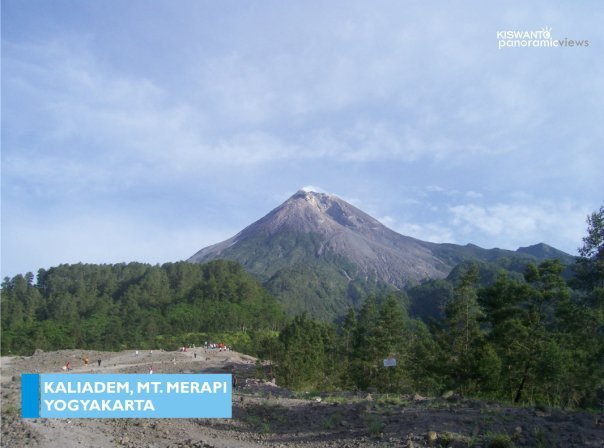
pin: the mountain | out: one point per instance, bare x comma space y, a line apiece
543, 251
318, 253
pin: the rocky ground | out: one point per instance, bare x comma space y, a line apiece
265, 415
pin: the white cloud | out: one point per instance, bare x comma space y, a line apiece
313, 188
474, 194
519, 224
432, 232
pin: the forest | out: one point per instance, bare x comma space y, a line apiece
135, 305
535, 338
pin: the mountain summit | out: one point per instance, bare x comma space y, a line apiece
317, 253
337, 228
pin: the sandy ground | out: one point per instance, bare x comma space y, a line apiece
265, 415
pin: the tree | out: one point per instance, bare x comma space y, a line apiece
391, 342
425, 366
302, 362
522, 317
584, 317
462, 332
364, 357
590, 265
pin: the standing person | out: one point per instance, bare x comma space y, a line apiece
99, 361
68, 365
136, 353
234, 379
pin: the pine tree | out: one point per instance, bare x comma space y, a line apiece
391, 336
463, 336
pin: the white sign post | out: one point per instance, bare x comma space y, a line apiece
390, 362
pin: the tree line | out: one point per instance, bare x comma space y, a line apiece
135, 305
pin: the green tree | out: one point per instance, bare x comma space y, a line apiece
426, 362
391, 336
590, 265
584, 318
523, 325
462, 334
365, 354
302, 363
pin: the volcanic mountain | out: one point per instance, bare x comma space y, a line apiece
317, 253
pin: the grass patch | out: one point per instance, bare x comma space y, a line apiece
334, 420
498, 440
260, 416
12, 409
336, 399
375, 426
307, 395
392, 400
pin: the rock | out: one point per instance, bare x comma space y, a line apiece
431, 437
418, 397
518, 430
447, 394
369, 397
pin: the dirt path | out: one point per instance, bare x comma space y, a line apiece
265, 415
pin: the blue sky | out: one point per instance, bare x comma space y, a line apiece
146, 130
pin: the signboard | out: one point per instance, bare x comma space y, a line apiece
390, 362
126, 396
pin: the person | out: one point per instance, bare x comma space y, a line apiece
195, 355
99, 361
68, 365
136, 353
150, 370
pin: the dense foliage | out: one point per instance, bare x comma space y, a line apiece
136, 306
529, 338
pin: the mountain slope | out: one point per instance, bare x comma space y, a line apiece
318, 253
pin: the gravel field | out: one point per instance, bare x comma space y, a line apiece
265, 415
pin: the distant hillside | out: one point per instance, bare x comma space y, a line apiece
317, 253
542, 251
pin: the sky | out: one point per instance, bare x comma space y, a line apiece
146, 130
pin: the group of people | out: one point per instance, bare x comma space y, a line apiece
67, 367
219, 346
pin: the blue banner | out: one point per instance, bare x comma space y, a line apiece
30, 395
127, 396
